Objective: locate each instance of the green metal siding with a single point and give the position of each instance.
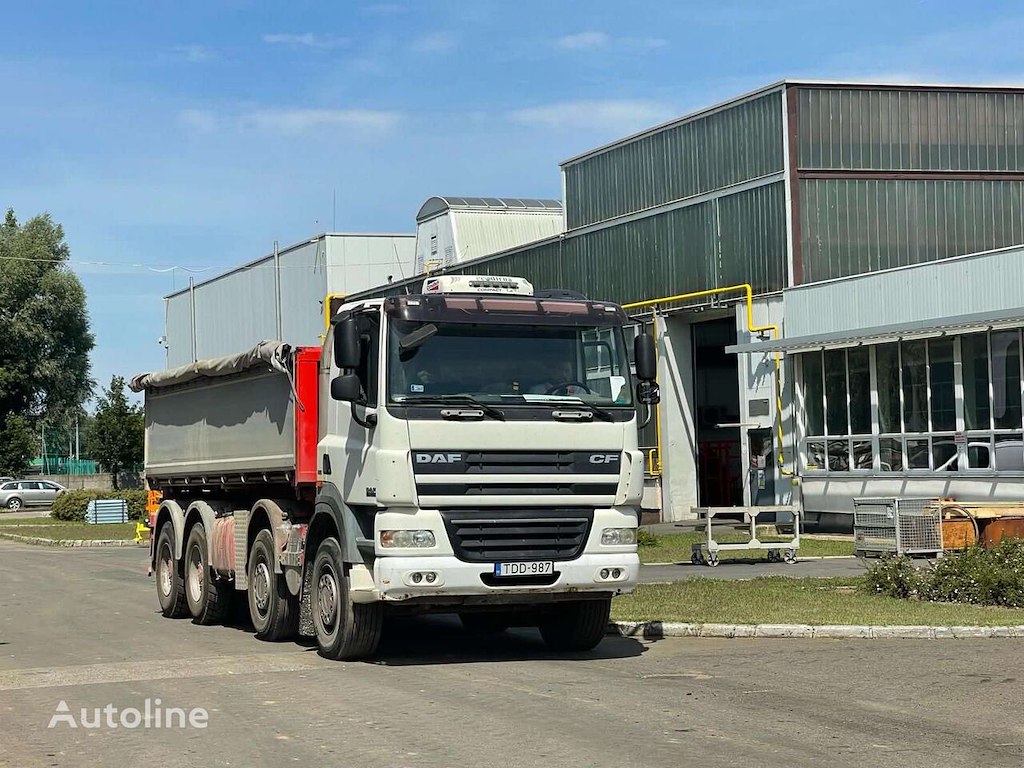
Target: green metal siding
(904, 130)
(727, 147)
(850, 226)
(736, 239)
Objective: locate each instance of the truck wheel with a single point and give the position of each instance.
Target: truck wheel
(208, 598)
(170, 589)
(485, 623)
(577, 626)
(274, 612)
(344, 630)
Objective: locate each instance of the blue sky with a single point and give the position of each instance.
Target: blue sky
(194, 134)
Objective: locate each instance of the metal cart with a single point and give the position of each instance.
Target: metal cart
(712, 519)
(897, 526)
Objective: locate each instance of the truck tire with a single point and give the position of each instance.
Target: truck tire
(485, 623)
(208, 598)
(170, 589)
(344, 630)
(274, 612)
(577, 626)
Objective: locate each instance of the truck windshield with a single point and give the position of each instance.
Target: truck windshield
(511, 363)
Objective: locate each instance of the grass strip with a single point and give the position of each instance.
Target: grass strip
(677, 547)
(70, 531)
(782, 600)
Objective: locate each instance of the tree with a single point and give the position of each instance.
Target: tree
(17, 445)
(116, 437)
(44, 328)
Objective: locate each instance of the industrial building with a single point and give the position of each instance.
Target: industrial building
(281, 295)
(830, 272)
(451, 230)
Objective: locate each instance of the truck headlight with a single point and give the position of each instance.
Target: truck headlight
(406, 539)
(618, 536)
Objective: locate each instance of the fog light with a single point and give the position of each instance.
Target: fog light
(431, 577)
(618, 536)
(616, 573)
(604, 573)
(406, 539)
(417, 578)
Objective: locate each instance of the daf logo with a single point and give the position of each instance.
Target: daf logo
(438, 458)
(604, 458)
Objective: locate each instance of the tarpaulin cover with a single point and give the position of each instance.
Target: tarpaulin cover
(269, 354)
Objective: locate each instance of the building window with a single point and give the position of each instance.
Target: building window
(945, 404)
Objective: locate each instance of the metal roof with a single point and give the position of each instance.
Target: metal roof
(437, 205)
(882, 333)
(780, 85)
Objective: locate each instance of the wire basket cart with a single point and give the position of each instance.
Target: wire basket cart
(897, 526)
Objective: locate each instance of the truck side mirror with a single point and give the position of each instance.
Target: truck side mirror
(644, 357)
(347, 348)
(346, 388)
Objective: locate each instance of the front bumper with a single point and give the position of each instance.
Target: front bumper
(454, 578)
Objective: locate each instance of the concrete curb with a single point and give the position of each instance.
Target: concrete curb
(654, 630)
(39, 540)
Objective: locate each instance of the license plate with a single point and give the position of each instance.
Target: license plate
(531, 568)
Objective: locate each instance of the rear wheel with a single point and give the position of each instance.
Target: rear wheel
(208, 598)
(14, 504)
(577, 626)
(344, 630)
(274, 612)
(170, 589)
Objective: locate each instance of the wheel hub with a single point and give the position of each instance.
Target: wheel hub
(327, 600)
(261, 586)
(195, 576)
(165, 573)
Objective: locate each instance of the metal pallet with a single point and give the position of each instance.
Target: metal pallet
(897, 526)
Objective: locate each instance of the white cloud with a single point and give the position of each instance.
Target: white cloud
(583, 41)
(592, 41)
(619, 115)
(296, 121)
(438, 42)
(195, 54)
(198, 120)
(307, 39)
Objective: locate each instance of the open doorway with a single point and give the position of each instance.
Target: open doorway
(717, 414)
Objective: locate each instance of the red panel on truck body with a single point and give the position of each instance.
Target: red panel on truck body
(307, 387)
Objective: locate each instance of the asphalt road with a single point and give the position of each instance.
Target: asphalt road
(80, 626)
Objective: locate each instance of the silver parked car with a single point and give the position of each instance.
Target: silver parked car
(22, 493)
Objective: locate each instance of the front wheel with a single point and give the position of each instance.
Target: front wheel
(14, 504)
(344, 630)
(577, 626)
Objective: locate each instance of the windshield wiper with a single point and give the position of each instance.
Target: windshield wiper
(601, 412)
(494, 413)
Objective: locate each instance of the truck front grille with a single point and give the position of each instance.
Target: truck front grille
(517, 534)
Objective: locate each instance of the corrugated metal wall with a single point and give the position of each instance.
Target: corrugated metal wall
(178, 329)
(707, 153)
(481, 233)
(235, 311)
(734, 239)
(358, 262)
(303, 287)
(849, 226)
(895, 176)
(894, 130)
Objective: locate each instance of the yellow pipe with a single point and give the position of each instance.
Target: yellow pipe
(748, 290)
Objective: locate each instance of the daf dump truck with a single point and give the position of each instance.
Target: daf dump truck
(471, 449)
